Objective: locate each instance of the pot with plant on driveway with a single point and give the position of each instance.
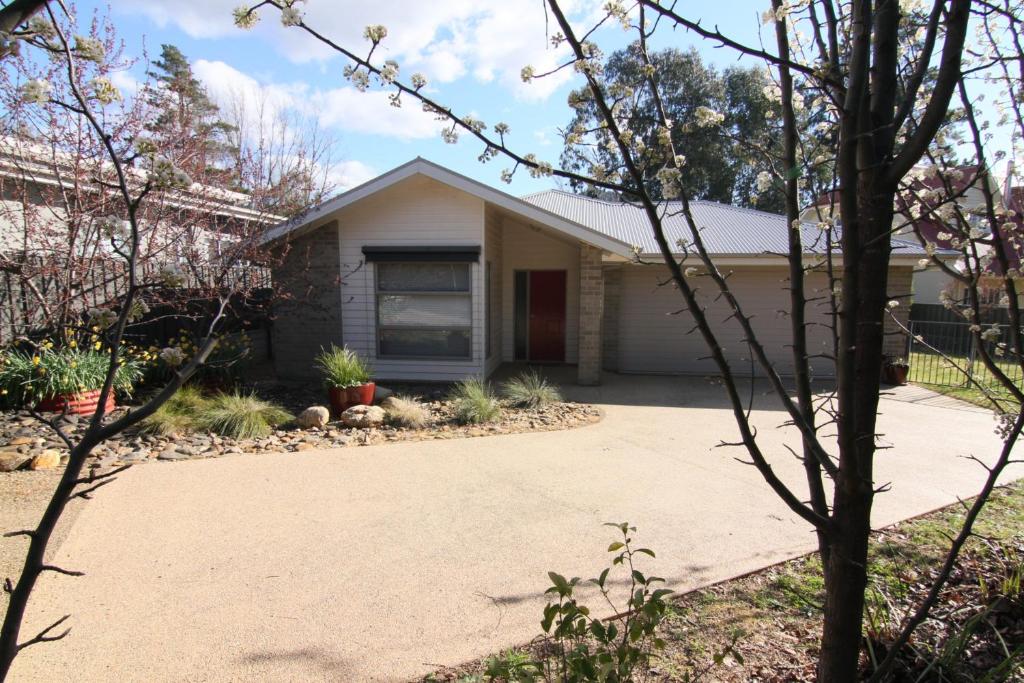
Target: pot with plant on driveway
(347, 377)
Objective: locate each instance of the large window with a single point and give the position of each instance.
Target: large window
(424, 310)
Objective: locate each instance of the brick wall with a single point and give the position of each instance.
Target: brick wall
(901, 289)
(591, 310)
(610, 319)
(307, 313)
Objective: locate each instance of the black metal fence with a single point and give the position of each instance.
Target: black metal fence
(946, 353)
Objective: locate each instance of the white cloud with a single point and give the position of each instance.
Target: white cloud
(490, 40)
(345, 108)
(348, 174)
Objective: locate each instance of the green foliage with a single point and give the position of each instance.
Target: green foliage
(530, 390)
(178, 415)
(407, 411)
(474, 402)
(342, 368)
(241, 416)
(30, 375)
(722, 161)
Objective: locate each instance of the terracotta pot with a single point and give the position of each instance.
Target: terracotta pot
(895, 374)
(362, 395)
(339, 400)
(78, 404)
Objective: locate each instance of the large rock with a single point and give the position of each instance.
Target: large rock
(45, 460)
(389, 402)
(11, 460)
(380, 394)
(314, 416)
(363, 416)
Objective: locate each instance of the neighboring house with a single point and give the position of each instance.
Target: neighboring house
(433, 276)
(932, 283)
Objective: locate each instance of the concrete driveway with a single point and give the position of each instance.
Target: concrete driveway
(385, 562)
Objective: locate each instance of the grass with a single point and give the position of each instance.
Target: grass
(407, 411)
(178, 415)
(530, 390)
(474, 402)
(342, 367)
(775, 614)
(242, 416)
(940, 375)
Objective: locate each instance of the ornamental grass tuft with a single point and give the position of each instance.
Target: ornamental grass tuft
(530, 390)
(342, 367)
(178, 415)
(407, 411)
(474, 402)
(242, 416)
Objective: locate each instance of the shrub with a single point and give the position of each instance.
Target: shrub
(28, 376)
(178, 415)
(342, 367)
(474, 402)
(241, 416)
(530, 390)
(407, 411)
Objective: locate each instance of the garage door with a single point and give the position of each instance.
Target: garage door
(655, 336)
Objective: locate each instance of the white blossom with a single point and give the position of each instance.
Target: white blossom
(501, 128)
(763, 181)
(991, 334)
(418, 80)
(669, 179)
(375, 33)
(104, 91)
(389, 72)
(244, 17)
(138, 310)
(102, 317)
(893, 304)
(450, 135)
(166, 175)
(527, 74)
(90, 49)
(506, 175)
(707, 117)
(171, 275)
(291, 16)
(116, 229)
(173, 356)
(41, 27)
(36, 91)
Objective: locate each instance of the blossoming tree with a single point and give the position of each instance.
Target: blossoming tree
(877, 80)
(107, 215)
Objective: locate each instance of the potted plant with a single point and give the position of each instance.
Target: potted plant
(347, 377)
(895, 371)
(65, 379)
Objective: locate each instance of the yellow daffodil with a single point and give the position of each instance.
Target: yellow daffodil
(97, 346)
(36, 360)
(73, 344)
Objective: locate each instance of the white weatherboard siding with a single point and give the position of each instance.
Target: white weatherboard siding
(415, 212)
(528, 248)
(653, 326)
(493, 248)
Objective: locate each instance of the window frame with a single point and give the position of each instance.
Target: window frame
(380, 329)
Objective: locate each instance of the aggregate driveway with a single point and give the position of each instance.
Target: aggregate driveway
(385, 562)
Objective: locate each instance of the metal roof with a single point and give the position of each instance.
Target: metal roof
(726, 230)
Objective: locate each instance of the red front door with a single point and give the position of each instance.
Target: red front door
(547, 315)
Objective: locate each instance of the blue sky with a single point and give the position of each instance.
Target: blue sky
(471, 52)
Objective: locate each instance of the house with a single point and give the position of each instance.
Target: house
(434, 276)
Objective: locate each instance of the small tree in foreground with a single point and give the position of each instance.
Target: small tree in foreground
(879, 79)
(121, 204)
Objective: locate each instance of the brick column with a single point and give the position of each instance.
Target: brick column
(900, 287)
(591, 309)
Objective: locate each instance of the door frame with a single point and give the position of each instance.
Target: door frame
(524, 325)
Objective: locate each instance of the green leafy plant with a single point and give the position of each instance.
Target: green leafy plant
(474, 402)
(30, 375)
(178, 415)
(343, 368)
(530, 390)
(407, 411)
(241, 416)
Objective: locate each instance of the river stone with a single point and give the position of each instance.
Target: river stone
(380, 393)
(363, 416)
(11, 460)
(45, 460)
(314, 416)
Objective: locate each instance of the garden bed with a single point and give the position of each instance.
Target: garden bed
(20, 432)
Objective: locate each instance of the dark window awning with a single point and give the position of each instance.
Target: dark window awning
(435, 254)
